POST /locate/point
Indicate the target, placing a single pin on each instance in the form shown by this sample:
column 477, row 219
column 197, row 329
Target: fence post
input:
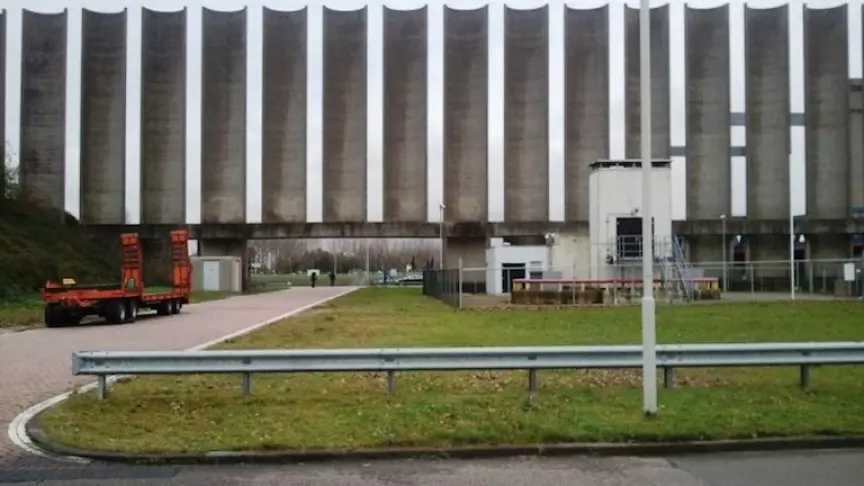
column 459, row 285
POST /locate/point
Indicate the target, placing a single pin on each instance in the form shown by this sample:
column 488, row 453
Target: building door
column 210, row 276
column 509, row 272
column 628, row 242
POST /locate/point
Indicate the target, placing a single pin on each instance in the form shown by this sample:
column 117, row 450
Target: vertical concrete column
column 827, row 107
column 43, row 109
column 472, row 251
column 223, row 124
column 586, row 100
column 466, row 96
column 660, row 134
column 103, row 118
column 709, row 178
column 163, row 117
column 405, row 115
column 856, row 143
column 526, row 119
column 233, row 248
column 767, row 79
column 344, row 114
column 157, row 261
column 285, row 131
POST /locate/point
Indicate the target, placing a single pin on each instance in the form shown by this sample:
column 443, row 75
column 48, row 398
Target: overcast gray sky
column 375, row 88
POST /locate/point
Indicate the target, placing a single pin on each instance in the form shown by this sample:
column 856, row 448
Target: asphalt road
column 817, row 468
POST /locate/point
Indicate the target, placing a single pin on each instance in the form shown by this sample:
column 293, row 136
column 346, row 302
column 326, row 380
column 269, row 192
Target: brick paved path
column 36, row 365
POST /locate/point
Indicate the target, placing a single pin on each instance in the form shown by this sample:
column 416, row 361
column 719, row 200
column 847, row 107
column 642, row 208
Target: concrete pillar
column 472, row 251
column 707, row 249
column 821, row 275
column 234, row 248
column 157, row 261
column 856, row 143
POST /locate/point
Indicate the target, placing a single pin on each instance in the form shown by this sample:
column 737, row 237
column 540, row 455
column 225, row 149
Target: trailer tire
column 116, row 312
column 175, row 306
column 131, row 310
column 163, row 308
column 53, row 314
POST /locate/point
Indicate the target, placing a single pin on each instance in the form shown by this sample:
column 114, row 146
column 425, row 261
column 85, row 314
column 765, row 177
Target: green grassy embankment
column 36, row 246
column 352, row 410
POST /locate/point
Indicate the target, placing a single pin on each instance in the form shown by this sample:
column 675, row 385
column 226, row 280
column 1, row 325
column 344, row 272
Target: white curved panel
column 408, row 4
column 526, row 4
column 254, row 111
column 133, row 116
column 557, row 91
column 284, row 6
column 103, row 7
column 826, row 4
column 585, row 4
column 495, row 117
column 314, row 115
column 856, row 49
column 465, row 4
column 72, row 188
column 346, row 5
column 375, row 113
column 13, row 83
column 194, row 47
column 434, row 112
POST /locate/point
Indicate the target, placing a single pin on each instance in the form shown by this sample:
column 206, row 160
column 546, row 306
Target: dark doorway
column 509, row 272
column 628, row 245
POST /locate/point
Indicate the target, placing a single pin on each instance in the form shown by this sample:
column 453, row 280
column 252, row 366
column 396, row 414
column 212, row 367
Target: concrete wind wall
column 659, row 83
column 526, row 115
column 284, row 144
column 405, row 115
column 465, row 114
column 586, row 101
column 163, row 117
column 709, row 177
column 103, row 118
column 43, row 109
column 223, row 111
column 767, row 78
column 826, row 85
column 344, row 115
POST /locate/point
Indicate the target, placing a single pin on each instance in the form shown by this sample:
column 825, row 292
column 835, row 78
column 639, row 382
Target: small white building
column 614, row 233
column 615, row 226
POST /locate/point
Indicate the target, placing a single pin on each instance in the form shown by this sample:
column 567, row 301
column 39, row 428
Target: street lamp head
column 722, row 216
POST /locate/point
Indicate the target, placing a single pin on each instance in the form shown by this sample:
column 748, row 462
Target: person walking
column 332, row 278
column 314, row 278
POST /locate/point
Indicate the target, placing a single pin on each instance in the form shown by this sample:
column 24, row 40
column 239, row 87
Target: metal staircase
column 676, row 274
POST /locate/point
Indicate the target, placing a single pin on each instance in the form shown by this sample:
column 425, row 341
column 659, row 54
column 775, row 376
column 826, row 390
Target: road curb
column 38, row 437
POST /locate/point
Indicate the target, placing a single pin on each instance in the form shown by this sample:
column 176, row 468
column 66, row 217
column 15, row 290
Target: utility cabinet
column 216, row 274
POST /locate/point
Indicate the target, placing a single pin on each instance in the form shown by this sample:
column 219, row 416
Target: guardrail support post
column 532, row 380
column 391, row 382
column 805, row 377
column 668, row 377
column 246, row 383
column 102, row 387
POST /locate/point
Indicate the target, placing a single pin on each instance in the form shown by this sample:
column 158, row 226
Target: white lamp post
column 441, row 207
column 725, row 244
column 649, row 338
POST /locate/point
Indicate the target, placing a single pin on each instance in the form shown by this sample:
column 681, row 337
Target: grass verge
column 345, row 411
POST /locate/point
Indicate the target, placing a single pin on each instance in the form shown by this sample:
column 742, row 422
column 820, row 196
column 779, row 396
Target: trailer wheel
column 116, row 312
column 175, row 306
column 53, row 315
column 131, row 310
column 163, row 308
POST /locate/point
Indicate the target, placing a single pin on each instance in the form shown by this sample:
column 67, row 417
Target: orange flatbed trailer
column 67, row 303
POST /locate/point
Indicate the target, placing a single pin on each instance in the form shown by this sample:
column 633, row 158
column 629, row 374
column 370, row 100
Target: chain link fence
column 444, row 285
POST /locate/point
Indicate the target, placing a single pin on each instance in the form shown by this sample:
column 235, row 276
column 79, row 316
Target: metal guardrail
column 391, row 360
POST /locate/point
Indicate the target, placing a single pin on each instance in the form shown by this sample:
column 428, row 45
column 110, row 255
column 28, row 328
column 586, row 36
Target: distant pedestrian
column 314, row 278
column 332, row 279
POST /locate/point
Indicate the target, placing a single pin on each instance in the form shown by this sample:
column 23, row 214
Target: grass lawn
column 344, row 411
column 29, row 312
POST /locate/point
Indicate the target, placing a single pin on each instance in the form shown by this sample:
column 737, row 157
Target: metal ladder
column 682, row 271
